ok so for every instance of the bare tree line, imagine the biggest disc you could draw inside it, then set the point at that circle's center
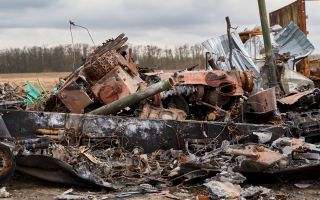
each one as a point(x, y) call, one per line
point(61, 58)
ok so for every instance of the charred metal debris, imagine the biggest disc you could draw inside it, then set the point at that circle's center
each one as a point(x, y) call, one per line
point(199, 134)
point(9, 96)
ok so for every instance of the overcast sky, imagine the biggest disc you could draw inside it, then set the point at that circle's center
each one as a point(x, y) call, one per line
point(165, 23)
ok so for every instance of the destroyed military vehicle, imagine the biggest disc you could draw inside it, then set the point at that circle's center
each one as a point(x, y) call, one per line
point(110, 125)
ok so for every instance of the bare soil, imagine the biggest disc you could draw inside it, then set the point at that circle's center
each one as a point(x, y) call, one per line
point(22, 187)
point(25, 187)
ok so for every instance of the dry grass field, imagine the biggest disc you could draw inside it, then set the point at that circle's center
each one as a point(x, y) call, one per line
point(48, 79)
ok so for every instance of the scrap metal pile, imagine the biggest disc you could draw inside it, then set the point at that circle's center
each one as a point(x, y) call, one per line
point(9, 95)
point(110, 83)
point(7, 91)
point(188, 134)
point(106, 160)
point(109, 75)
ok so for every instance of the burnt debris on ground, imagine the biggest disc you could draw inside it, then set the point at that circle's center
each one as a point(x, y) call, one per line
point(218, 132)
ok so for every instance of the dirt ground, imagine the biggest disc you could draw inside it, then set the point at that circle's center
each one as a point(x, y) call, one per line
point(26, 187)
point(22, 187)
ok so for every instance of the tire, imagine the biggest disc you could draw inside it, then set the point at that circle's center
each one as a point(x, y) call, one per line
point(7, 164)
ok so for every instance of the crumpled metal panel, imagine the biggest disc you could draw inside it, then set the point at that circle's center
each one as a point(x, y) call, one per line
point(74, 96)
point(292, 39)
point(240, 58)
point(294, 82)
point(289, 40)
point(289, 100)
point(262, 102)
point(254, 158)
point(255, 47)
point(57, 171)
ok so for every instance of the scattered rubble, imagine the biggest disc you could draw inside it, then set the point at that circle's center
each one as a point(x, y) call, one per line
point(4, 193)
point(223, 190)
point(9, 96)
point(112, 126)
point(257, 192)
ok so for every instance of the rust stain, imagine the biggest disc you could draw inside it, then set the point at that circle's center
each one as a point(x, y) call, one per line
point(295, 12)
point(294, 98)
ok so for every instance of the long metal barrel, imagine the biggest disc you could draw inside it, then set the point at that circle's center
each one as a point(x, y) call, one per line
point(134, 98)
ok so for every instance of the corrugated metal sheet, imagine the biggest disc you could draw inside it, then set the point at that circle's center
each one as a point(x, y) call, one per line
point(293, 81)
point(240, 57)
point(295, 12)
point(292, 39)
point(255, 47)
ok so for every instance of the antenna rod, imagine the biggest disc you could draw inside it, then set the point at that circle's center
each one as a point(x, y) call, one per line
point(74, 24)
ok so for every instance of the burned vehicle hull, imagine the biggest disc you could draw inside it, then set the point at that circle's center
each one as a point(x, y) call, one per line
point(129, 133)
point(108, 125)
point(146, 133)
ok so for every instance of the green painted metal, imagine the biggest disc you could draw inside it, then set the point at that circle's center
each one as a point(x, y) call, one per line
point(267, 43)
point(33, 94)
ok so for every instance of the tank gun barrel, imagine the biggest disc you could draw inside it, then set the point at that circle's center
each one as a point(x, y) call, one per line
point(134, 98)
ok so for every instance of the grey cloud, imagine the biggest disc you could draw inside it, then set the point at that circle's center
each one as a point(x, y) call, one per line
point(164, 21)
point(138, 14)
point(17, 5)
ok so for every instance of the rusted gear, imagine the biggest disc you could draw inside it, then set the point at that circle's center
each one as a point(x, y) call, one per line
point(247, 80)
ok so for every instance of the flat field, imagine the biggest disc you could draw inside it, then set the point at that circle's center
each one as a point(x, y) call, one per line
point(48, 79)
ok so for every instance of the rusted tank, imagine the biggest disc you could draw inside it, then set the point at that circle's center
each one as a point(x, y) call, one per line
point(134, 98)
point(202, 94)
point(229, 83)
point(125, 132)
point(109, 81)
point(107, 75)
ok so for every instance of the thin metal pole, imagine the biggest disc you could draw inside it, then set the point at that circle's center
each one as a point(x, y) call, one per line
point(267, 43)
point(73, 50)
point(134, 98)
point(74, 24)
point(230, 41)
